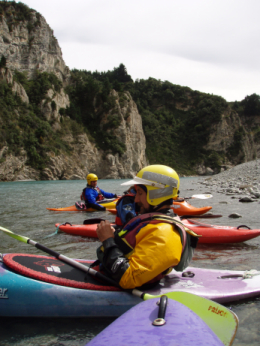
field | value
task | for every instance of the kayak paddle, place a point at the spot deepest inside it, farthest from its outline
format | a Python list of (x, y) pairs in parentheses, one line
[(59, 256), (221, 320), (204, 216), (202, 196)]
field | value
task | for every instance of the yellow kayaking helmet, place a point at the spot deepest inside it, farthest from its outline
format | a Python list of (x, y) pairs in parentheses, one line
[(162, 183), (91, 177)]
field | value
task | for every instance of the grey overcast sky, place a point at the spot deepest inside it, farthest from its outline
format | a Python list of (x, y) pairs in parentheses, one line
[(207, 45)]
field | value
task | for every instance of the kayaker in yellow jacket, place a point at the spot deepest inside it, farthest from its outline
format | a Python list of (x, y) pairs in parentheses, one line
[(149, 245)]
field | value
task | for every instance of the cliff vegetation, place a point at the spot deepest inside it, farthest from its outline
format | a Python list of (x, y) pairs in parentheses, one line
[(178, 121)]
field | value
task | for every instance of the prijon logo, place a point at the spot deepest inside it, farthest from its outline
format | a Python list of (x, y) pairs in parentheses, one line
[(3, 294)]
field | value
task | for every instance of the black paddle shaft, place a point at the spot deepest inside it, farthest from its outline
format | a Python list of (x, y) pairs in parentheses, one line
[(44, 249)]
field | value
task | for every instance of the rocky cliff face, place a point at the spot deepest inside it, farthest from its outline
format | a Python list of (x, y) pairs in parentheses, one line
[(222, 137), (7, 76), (30, 44), (61, 99), (87, 158)]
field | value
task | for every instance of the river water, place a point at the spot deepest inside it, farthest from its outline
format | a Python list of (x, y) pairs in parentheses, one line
[(23, 211)]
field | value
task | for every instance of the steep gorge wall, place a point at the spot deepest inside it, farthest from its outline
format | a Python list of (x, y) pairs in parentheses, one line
[(30, 45), (85, 157), (222, 138)]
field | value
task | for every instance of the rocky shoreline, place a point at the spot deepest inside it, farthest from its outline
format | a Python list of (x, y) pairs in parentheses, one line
[(241, 182)]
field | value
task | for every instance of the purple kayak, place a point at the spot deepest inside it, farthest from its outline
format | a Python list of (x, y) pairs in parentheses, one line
[(135, 327)]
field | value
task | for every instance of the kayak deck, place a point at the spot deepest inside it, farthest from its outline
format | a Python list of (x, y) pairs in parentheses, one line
[(108, 205), (135, 327), (24, 296)]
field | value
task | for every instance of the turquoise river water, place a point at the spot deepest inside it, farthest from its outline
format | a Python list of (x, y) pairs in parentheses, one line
[(23, 211)]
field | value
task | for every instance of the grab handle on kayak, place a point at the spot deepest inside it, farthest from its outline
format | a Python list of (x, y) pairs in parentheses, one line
[(243, 226), (160, 321), (92, 221), (188, 274), (248, 274), (231, 276), (65, 223), (62, 224)]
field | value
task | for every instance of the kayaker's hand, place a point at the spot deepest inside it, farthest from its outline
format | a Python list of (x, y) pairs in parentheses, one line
[(105, 230)]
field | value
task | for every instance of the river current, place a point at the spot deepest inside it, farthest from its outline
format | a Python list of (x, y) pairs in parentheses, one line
[(23, 211)]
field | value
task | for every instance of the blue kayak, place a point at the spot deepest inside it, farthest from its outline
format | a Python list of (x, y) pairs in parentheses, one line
[(31, 297), (42, 286)]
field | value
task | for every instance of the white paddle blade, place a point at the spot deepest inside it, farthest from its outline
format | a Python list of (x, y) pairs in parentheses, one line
[(204, 196)]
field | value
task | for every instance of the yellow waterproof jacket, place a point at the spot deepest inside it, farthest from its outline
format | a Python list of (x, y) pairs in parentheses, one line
[(158, 247), (148, 247)]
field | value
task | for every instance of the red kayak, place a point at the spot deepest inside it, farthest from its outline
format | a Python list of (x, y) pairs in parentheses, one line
[(218, 234), (83, 230), (210, 234)]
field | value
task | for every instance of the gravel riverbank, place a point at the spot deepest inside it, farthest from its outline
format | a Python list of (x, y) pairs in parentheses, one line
[(241, 181)]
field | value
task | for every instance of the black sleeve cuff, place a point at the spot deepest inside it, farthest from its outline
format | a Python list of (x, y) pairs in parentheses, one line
[(109, 243)]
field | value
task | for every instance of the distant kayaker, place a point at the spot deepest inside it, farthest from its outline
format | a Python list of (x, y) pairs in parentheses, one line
[(92, 194), (154, 242)]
